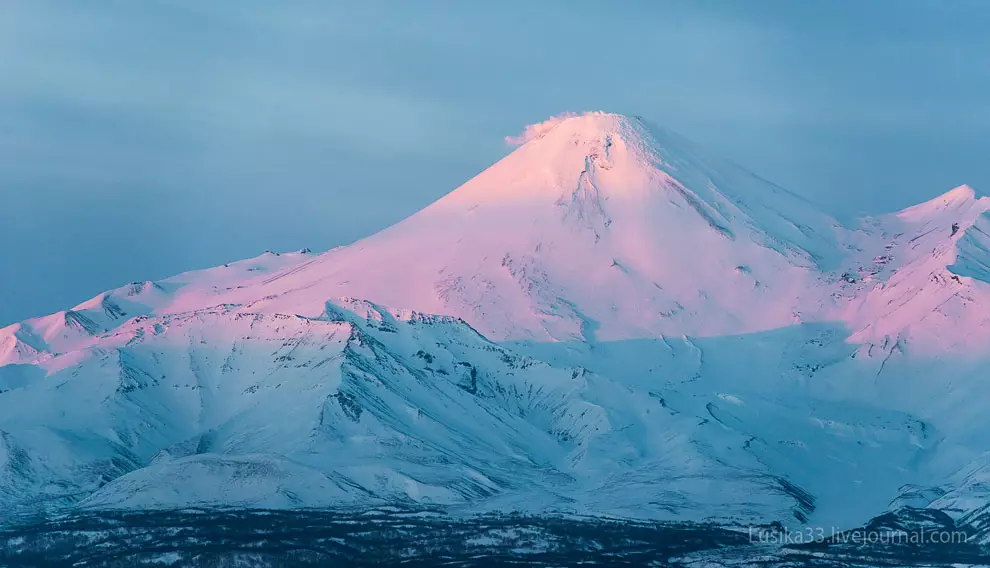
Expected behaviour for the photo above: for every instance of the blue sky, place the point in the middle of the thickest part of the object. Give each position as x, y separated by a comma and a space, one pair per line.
141, 139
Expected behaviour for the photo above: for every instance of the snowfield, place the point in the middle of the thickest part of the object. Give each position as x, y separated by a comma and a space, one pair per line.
607, 321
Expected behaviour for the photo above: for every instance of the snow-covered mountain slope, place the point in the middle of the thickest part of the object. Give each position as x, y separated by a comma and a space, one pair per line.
359, 405
367, 405
40, 338
918, 276
623, 324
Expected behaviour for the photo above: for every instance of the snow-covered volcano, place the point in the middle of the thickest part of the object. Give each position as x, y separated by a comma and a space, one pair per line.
599, 228
608, 320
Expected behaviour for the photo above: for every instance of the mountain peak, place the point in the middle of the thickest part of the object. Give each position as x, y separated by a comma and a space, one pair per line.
960, 204
962, 192
591, 124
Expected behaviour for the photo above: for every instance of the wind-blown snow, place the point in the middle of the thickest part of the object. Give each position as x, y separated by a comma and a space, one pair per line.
537, 130
608, 320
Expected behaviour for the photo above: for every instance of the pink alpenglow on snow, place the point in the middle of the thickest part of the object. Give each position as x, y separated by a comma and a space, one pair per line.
600, 227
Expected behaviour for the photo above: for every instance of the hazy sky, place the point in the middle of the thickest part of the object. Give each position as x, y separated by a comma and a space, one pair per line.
141, 139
